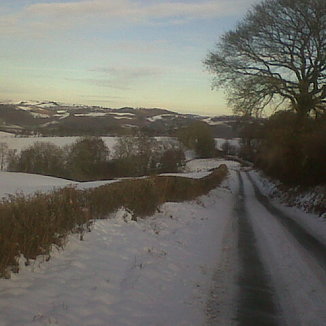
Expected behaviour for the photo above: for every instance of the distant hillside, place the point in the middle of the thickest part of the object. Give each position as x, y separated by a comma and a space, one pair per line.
56, 119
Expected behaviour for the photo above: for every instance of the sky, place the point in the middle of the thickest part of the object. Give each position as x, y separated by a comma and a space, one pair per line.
115, 53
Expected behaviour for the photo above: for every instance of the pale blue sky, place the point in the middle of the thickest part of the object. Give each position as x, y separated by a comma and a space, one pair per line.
114, 53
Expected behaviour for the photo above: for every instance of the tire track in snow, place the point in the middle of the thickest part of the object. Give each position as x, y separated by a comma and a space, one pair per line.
298, 279
256, 303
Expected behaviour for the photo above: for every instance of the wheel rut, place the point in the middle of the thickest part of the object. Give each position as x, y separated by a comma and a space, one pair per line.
256, 301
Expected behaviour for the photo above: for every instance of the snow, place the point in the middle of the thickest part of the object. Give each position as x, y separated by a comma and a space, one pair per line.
12, 182
90, 114
122, 113
160, 117
293, 271
156, 271
25, 108
190, 154
235, 142
310, 221
215, 123
40, 115
192, 175
34, 104
50, 123
155, 118
15, 182
62, 115
4, 134
122, 117
129, 126
115, 115
47, 105
33, 111
305, 199
29, 102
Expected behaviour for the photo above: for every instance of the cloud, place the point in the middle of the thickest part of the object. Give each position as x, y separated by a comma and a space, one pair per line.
122, 78
66, 15
141, 46
107, 99
129, 72
136, 10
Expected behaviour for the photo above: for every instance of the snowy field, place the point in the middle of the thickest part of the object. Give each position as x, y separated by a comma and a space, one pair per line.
153, 272
25, 183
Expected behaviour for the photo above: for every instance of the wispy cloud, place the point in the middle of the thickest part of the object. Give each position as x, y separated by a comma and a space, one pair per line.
135, 9
129, 72
122, 78
41, 17
140, 46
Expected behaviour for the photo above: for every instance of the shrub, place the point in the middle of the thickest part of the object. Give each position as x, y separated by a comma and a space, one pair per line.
171, 160
135, 155
31, 225
87, 158
40, 158
291, 150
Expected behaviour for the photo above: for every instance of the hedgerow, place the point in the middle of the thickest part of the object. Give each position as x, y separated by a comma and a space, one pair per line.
31, 225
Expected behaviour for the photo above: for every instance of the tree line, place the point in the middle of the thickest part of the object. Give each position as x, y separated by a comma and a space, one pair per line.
274, 61
88, 158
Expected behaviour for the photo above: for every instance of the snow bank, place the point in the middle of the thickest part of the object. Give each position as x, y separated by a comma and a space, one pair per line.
300, 207
311, 200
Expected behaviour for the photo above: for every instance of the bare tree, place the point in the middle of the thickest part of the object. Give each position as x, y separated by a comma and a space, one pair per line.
276, 56
125, 147
199, 137
137, 153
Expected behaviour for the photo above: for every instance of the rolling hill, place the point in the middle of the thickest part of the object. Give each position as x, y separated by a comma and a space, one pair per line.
56, 119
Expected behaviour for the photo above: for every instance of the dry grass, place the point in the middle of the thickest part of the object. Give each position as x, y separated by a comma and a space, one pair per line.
31, 225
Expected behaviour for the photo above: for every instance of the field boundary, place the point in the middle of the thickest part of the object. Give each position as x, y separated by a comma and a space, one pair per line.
30, 225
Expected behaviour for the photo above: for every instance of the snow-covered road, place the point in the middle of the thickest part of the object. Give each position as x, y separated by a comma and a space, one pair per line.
274, 272
230, 258
295, 258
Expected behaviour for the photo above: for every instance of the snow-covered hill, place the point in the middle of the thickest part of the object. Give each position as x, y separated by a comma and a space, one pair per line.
52, 118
